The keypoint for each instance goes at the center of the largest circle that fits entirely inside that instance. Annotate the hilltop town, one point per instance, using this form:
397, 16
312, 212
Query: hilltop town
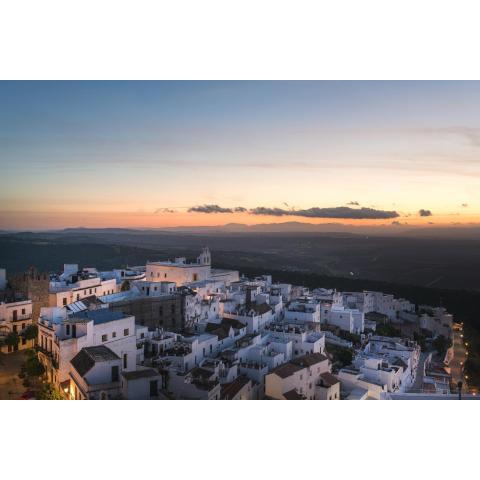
181, 329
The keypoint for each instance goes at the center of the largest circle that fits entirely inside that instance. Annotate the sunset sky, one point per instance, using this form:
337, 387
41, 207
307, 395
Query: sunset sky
141, 154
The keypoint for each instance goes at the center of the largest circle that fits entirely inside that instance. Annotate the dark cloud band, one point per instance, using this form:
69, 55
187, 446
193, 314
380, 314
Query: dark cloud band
315, 212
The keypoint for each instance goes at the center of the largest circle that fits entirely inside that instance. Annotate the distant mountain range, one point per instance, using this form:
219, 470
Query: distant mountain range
454, 231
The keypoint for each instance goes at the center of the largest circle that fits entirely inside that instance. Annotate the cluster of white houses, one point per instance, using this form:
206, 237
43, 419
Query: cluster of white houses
184, 330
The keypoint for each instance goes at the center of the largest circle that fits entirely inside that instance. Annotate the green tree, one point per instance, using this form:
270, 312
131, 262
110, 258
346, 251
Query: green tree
125, 286
12, 339
33, 367
341, 356
386, 330
31, 332
49, 392
441, 343
420, 339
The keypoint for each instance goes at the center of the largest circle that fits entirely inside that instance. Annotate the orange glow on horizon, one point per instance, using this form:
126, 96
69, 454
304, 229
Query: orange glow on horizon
101, 219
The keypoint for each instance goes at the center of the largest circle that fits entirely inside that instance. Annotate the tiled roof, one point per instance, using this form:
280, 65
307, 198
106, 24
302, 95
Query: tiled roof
328, 380
229, 390
86, 358
293, 395
286, 370
309, 359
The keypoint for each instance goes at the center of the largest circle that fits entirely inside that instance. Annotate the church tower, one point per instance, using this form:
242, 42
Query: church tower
205, 257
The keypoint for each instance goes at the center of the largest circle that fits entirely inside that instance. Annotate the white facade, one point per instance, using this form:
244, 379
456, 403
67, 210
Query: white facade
61, 337
297, 379
15, 316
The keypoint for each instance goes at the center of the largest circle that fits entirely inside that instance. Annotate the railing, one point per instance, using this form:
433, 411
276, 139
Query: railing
19, 318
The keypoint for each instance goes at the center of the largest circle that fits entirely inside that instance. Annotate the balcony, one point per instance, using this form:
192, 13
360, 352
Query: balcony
21, 318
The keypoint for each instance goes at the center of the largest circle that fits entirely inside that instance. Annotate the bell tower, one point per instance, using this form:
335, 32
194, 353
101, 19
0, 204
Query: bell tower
205, 257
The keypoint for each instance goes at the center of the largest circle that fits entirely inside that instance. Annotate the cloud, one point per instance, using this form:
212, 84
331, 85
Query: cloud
315, 212
470, 134
210, 209
334, 212
424, 213
275, 212
353, 203
164, 210
464, 205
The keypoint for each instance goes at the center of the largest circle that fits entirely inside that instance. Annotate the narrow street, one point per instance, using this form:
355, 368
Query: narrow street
418, 383
459, 357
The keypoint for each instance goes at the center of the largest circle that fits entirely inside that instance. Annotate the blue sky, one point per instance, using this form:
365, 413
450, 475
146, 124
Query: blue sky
93, 150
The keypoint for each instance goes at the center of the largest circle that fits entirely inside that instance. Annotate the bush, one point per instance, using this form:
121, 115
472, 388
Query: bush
49, 392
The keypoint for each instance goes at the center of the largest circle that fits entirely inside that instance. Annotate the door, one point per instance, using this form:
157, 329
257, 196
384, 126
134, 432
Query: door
153, 388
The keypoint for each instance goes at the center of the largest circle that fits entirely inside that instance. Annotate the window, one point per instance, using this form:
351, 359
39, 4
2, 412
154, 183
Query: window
90, 291
24, 341
165, 275
23, 311
64, 301
68, 329
104, 338
78, 297
114, 334
15, 328
23, 326
125, 360
125, 332
115, 376
142, 335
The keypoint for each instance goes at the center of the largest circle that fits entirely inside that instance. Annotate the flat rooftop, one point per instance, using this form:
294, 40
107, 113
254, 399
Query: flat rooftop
103, 315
